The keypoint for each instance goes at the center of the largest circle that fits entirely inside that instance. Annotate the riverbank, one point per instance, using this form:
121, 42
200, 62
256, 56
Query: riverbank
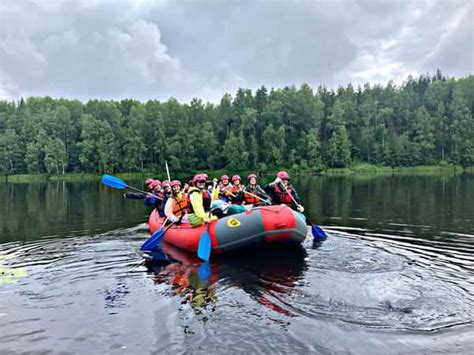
358, 169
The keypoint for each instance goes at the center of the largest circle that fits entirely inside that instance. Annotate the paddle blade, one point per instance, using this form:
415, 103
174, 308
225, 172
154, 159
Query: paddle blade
204, 273
318, 232
113, 182
204, 247
154, 241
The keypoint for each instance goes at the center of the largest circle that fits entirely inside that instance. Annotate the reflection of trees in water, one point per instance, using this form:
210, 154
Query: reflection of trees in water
264, 273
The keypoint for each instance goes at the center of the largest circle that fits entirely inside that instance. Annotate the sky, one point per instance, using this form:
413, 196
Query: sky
144, 49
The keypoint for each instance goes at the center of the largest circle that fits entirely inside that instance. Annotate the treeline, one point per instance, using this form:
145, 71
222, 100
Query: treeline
428, 120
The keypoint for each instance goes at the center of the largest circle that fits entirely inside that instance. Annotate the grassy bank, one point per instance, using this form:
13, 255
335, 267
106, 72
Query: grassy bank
357, 169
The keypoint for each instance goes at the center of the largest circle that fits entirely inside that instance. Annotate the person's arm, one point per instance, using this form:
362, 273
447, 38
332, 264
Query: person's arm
169, 207
134, 195
262, 193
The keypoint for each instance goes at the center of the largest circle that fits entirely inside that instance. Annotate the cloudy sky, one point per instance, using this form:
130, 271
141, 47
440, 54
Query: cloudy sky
159, 49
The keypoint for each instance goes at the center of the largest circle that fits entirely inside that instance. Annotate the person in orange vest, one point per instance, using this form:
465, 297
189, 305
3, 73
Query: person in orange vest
223, 186
281, 191
235, 192
254, 194
176, 205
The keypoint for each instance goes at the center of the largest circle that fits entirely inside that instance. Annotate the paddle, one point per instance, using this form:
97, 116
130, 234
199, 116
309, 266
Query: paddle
117, 183
316, 231
257, 197
204, 246
156, 238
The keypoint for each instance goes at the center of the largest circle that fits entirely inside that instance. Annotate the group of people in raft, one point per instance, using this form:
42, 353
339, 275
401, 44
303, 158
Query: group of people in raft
192, 201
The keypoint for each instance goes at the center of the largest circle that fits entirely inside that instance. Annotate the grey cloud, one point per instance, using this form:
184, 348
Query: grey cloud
144, 49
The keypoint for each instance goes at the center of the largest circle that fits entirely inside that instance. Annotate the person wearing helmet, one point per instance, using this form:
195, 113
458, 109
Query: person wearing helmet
254, 194
155, 197
176, 204
282, 192
140, 195
223, 186
235, 192
166, 193
199, 201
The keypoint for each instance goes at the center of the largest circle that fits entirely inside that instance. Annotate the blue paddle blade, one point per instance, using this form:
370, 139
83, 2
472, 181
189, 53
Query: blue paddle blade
113, 181
318, 232
204, 273
204, 247
154, 241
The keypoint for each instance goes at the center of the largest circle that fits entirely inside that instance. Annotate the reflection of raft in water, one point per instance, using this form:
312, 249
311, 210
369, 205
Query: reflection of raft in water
261, 225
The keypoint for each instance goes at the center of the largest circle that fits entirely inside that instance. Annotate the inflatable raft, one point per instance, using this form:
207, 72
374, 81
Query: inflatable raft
269, 224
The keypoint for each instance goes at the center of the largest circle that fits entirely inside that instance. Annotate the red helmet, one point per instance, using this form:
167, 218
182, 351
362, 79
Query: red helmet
165, 183
175, 183
235, 177
252, 176
154, 184
148, 181
224, 177
199, 177
283, 175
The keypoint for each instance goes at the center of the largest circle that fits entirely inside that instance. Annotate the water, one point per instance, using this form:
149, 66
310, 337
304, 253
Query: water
394, 276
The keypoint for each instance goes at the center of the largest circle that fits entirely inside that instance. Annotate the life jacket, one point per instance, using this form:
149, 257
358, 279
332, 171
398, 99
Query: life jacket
180, 205
206, 199
249, 199
281, 196
234, 193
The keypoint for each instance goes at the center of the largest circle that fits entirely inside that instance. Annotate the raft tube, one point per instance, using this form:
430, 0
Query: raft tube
269, 224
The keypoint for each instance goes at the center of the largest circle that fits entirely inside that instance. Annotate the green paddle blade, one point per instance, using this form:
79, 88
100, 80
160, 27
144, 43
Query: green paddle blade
204, 247
113, 182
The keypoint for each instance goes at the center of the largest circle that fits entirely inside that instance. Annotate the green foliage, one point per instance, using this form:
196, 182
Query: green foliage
427, 120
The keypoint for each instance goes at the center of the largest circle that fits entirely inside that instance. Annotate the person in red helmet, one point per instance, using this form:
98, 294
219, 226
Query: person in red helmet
176, 205
199, 202
223, 186
282, 192
254, 194
140, 195
155, 197
235, 192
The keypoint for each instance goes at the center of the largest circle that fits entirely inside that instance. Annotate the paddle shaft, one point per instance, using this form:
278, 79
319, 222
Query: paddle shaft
286, 190
257, 197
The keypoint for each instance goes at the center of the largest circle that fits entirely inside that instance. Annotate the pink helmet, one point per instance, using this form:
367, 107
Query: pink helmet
252, 176
154, 184
283, 175
165, 183
199, 177
224, 177
175, 183
148, 181
235, 177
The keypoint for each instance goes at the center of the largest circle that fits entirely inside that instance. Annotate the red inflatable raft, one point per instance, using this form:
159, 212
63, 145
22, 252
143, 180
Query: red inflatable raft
269, 224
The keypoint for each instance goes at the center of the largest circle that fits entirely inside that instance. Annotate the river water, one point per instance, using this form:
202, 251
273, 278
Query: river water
394, 276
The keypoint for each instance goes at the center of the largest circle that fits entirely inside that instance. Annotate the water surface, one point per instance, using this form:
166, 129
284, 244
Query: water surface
395, 275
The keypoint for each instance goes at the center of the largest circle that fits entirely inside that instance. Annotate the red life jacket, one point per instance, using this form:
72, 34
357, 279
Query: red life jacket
206, 201
282, 196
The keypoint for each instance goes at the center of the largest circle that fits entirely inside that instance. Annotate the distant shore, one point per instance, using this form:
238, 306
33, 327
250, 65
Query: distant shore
357, 169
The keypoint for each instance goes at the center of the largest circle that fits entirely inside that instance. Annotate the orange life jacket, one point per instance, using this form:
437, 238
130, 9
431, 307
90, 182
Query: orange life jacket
249, 199
180, 205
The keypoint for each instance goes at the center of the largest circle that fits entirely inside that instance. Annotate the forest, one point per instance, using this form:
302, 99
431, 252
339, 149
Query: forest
426, 120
